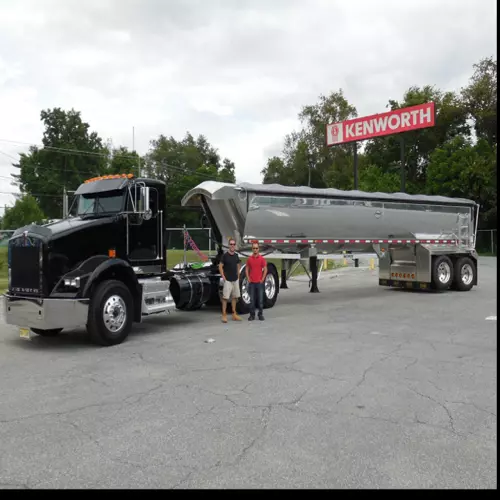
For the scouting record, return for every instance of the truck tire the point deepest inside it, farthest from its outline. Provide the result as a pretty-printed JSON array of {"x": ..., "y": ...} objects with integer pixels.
[
  {"x": 243, "y": 305},
  {"x": 47, "y": 333},
  {"x": 271, "y": 284},
  {"x": 464, "y": 274},
  {"x": 442, "y": 272},
  {"x": 110, "y": 313}
]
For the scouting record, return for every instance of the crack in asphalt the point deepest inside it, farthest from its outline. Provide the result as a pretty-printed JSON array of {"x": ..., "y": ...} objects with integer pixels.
[
  {"x": 140, "y": 395},
  {"x": 442, "y": 405},
  {"x": 474, "y": 405},
  {"x": 363, "y": 376}
]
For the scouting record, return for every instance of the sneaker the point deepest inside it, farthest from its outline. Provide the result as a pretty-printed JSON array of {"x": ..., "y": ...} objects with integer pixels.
[
  {"x": 224, "y": 318},
  {"x": 251, "y": 318},
  {"x": 261, "y": 317},
  {"x": 236, "y": 317}
]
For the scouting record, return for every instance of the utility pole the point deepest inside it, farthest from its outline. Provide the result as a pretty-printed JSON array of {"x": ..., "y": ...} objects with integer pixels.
[{"x": 133, "y": 149}]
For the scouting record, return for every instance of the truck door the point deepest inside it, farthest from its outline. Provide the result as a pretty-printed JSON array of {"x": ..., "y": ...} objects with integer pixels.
[{"x": 143, "y": 233}]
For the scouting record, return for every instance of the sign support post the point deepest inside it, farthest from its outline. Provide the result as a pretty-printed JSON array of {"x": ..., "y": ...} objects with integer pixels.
[
  {"x": 402, "y": 158},
  {"x": 355, "y": 144}
]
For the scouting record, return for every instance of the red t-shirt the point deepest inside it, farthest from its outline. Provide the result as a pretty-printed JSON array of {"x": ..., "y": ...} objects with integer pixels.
[{"x": 255, "y": 267}]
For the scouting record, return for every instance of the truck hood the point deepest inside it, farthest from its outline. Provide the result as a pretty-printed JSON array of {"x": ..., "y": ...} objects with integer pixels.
[{"x": 62, "y": 228}]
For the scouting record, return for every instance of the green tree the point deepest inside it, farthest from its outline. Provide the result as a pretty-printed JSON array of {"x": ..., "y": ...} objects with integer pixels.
[
  {"x": 462, "y": 169},
  {"x": 480, "y": 99},
  {"x": 70, "y": 154},
  {"x": 451, "y": 120},
  {"x": 306, "y": 160},
  {"x": 123, "y": 161},
  {"x": 182, "y": 165},
  {"x": 25, "y": 211}
]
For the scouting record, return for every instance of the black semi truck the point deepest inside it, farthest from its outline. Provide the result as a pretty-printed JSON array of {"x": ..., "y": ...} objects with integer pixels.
[{"x": 105, "y": 267}]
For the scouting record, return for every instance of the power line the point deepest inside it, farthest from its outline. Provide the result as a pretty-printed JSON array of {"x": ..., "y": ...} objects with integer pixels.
[
  {"x": 103, "y": 155},
  {"x": 175, "y": 168}
]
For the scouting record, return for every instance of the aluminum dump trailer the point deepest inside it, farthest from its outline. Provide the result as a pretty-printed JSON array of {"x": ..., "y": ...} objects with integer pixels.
[{"x": 421, "y": 241}]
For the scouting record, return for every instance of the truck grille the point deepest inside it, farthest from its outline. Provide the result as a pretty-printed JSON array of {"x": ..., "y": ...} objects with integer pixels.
[{"x": 24, "y": 262}]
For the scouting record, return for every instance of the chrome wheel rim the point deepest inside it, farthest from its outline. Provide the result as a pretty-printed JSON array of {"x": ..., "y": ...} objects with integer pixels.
[
  {"x": 270, "y": 286},
  {"x": 467, "y": 274},
  {"x": 245, "y": 294},
  {"x": 444, "y": 272},
  {"x": 114, "y": 313}
]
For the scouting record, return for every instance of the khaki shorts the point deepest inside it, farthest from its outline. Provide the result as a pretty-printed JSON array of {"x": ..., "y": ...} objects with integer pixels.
[{"x": 231, "y": 288}]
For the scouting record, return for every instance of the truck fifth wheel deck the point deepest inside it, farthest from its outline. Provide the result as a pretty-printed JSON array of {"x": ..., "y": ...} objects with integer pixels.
[{"x": 105, "y": 266}]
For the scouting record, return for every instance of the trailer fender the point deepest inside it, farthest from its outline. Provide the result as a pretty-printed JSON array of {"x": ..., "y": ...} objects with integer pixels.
[{"x": 116, "y": 269}]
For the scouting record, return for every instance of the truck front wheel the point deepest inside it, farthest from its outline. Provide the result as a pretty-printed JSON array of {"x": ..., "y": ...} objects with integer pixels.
[{"x": 110, "y": 313}]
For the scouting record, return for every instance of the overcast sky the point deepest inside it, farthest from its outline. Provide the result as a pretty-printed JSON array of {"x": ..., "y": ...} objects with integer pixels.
[{"x": 237, "y": 71}]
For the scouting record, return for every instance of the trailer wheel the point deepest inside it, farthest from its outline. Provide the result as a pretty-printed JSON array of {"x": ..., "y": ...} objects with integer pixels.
[
  {"x": 53, "y": 332},
  {"x": 442, "y": 272},
  {"x": 271, "y": 287},
  {"x": 110, "y": 313},
  {"x": 465, "y": 274}
]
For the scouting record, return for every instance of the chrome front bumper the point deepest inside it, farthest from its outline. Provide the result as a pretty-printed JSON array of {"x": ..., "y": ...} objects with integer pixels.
[{"x": 45, "y": 313}]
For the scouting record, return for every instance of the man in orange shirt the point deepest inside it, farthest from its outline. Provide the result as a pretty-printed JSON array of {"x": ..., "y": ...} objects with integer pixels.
[{"x": 256, "y": 271}]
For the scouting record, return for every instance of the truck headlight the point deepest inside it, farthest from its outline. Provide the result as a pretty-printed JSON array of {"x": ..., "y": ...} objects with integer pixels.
[
  {"x": 72, "y": 282},
  {"x": 10, "y": 273}
]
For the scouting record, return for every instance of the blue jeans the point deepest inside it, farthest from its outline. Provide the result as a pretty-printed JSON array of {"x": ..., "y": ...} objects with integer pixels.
[{"x": 256, "y": 292}]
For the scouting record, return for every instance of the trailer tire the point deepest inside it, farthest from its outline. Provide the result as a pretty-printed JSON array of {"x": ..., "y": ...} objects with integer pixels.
[
  {"x": 110, "y": 313},
  {"x": 442, "y": 272},
  {"x": 464, "y": 274},
  {"x": 271, "y": 289},
  {"x": 53, "y": 332}
]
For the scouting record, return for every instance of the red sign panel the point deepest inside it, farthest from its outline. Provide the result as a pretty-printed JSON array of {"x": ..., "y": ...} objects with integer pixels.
[{"x": 393, "y": 122}]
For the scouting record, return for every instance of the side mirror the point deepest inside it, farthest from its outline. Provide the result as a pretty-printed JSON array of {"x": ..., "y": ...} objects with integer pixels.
[{"x": 145, "y": 196}]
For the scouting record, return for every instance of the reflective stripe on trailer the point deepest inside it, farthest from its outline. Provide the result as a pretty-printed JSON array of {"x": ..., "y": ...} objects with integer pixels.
[{"x": 411, "y": 242}]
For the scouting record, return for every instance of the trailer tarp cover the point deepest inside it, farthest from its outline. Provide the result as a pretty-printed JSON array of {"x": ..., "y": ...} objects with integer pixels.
[{"x": 278, "y": 189}]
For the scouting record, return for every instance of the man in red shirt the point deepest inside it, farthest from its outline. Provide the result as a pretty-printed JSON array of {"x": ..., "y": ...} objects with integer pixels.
[{"x": 256, "y": 271}]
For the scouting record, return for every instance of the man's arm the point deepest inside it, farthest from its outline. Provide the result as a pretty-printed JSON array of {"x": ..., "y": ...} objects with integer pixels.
[
  {"x": 221, "y": 268},
  {"x": 247, "y": 270},
  {"x": 264, "y": 270}
]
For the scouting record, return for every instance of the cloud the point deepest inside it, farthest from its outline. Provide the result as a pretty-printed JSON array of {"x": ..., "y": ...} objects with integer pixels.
[{"x": 235, "y": 71}]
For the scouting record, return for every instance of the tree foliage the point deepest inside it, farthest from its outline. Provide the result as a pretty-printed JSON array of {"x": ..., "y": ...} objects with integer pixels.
[
  {"x": 480, "y": 99},
  {"x": 46, "y": 171},
  {"x": 25, "y": 211},
  {"x": 182, "y": 165},
  {"x": 456, "y": 157},
  {"x": 306, "y": 159}
]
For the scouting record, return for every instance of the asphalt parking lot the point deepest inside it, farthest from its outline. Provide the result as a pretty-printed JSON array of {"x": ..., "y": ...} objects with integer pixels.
[{"x": 359, "y": 386}]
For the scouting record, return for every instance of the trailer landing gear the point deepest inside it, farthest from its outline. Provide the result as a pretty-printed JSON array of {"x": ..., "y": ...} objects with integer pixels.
[
  {"x": 284, "y": 269},
  {"x": 313, "y": 266}
]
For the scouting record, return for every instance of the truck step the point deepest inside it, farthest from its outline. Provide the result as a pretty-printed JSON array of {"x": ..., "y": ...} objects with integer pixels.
[{"x": 156, "y": 296}]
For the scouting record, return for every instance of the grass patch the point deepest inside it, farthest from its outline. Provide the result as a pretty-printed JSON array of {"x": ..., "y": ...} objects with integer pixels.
[{"x": 174, "y": 257}]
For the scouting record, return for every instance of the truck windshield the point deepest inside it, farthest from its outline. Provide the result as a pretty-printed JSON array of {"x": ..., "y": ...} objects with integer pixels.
[{"x": 100, "y": 203}]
